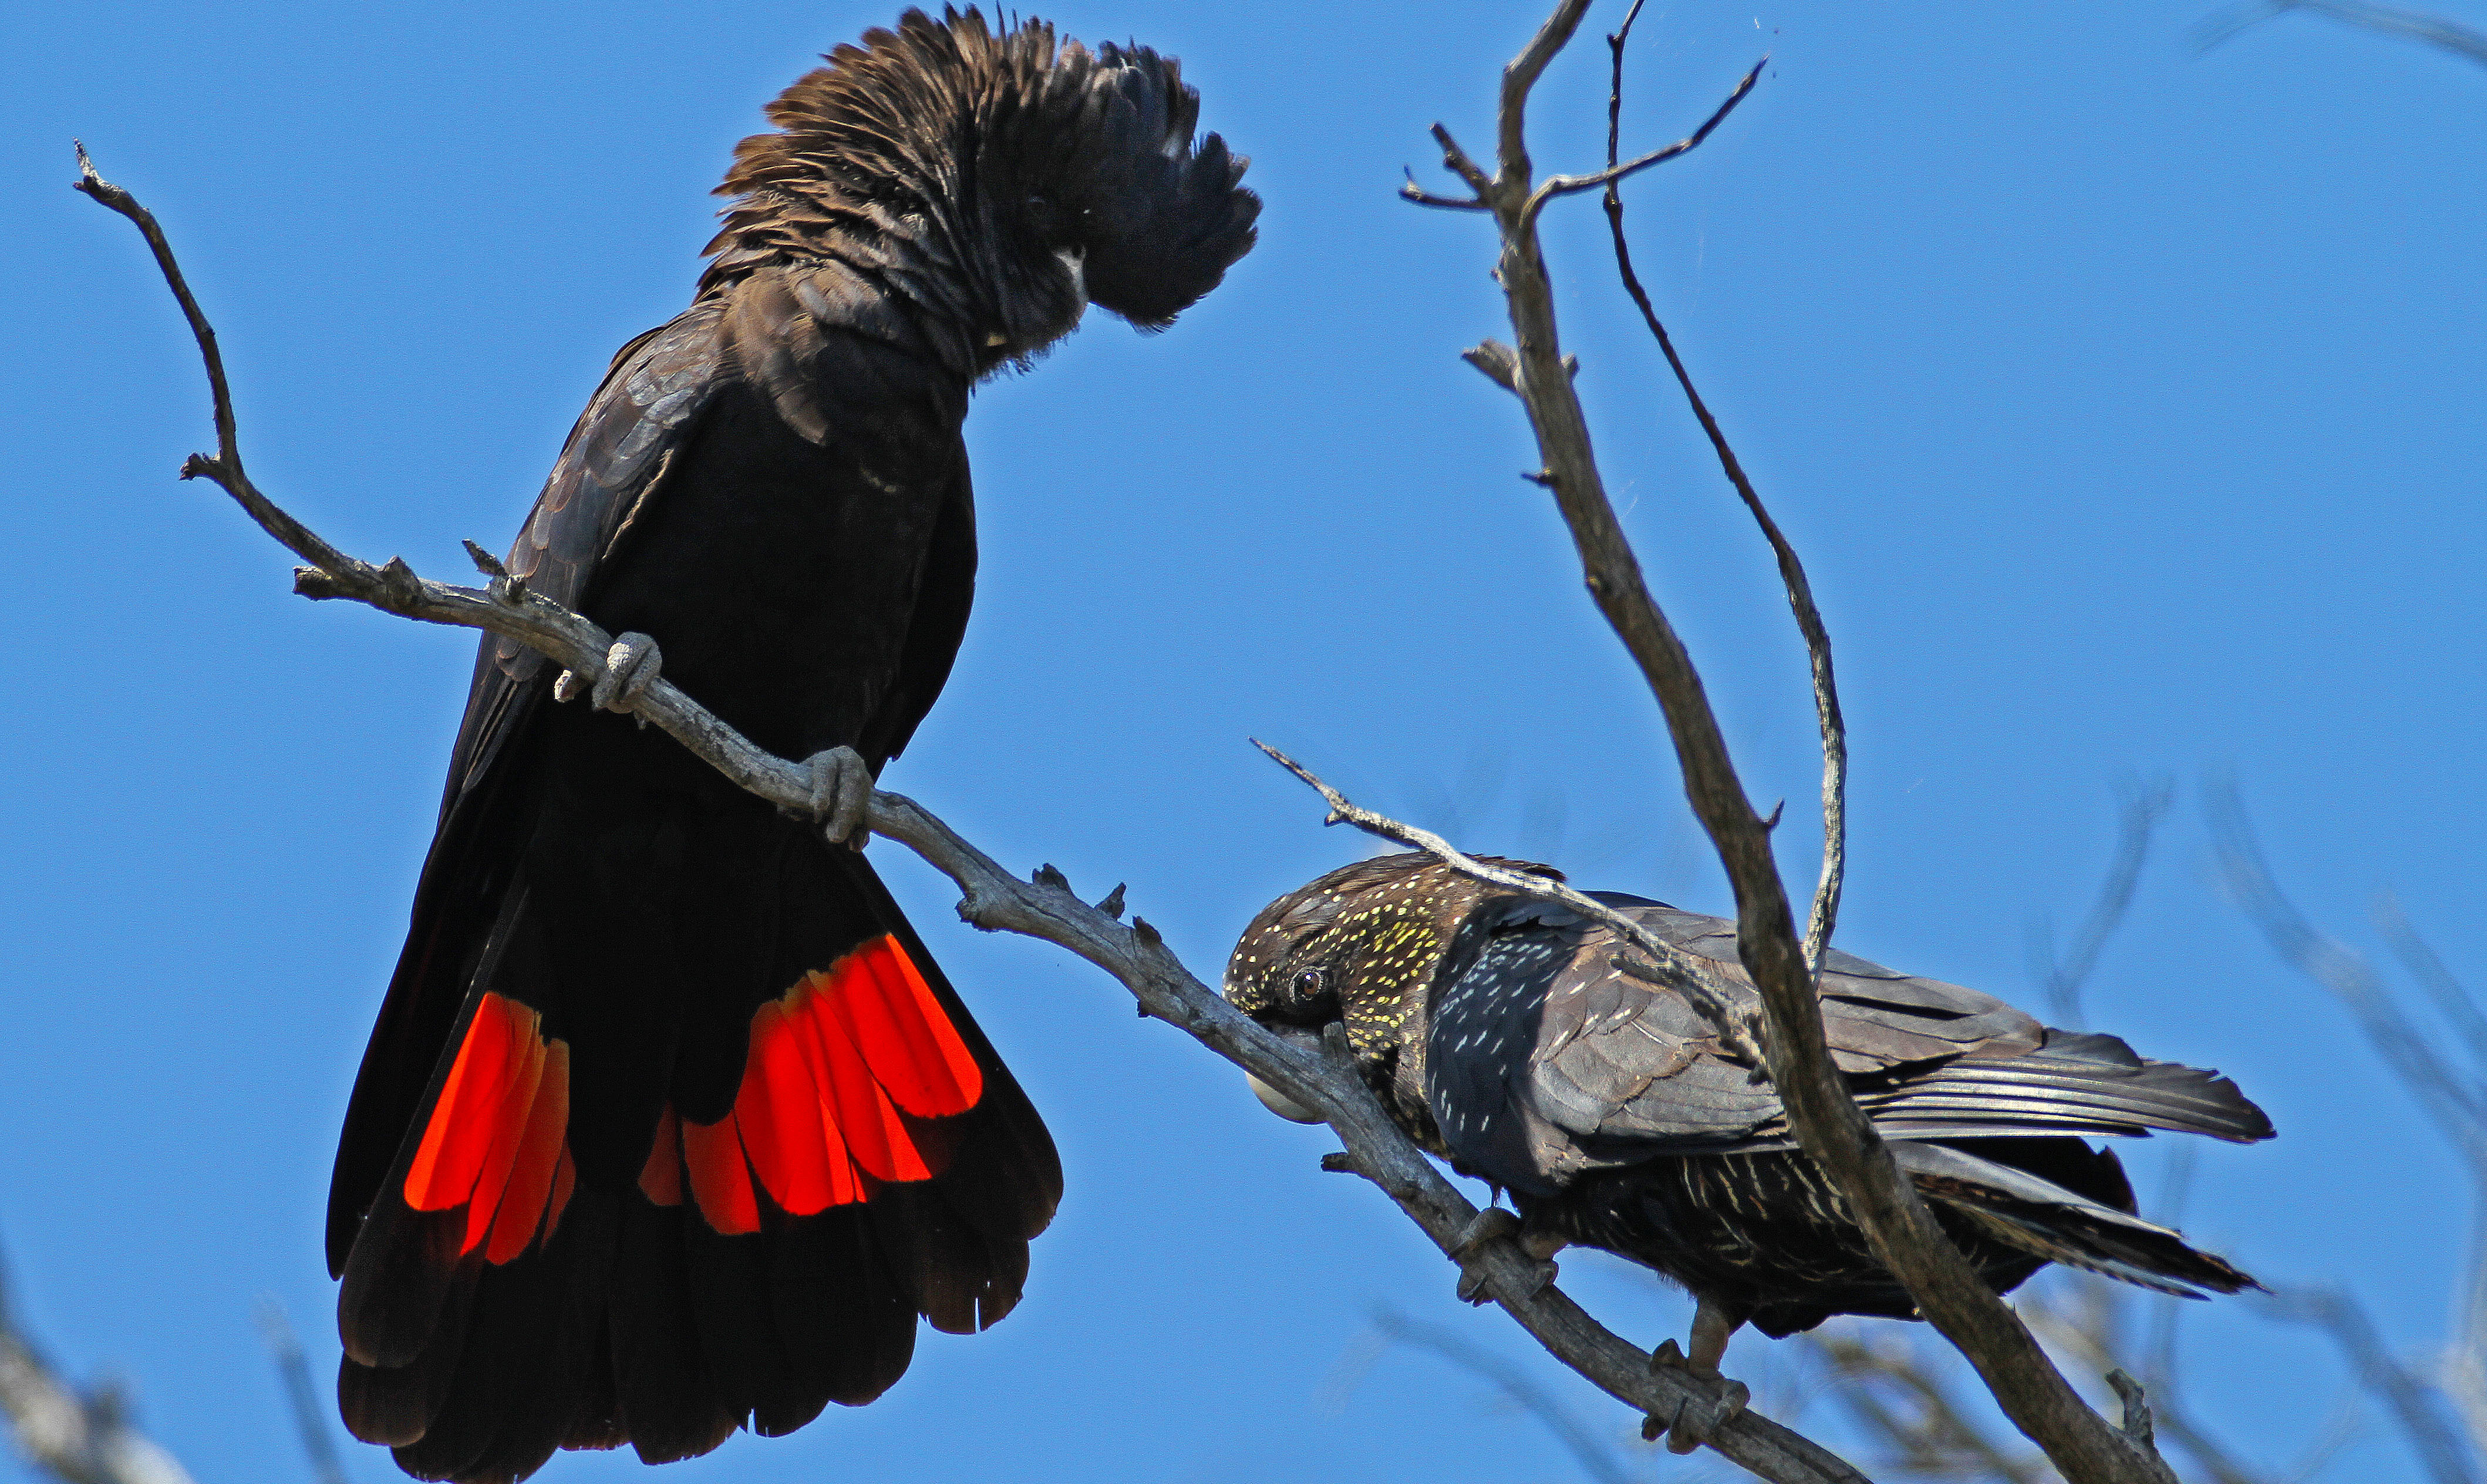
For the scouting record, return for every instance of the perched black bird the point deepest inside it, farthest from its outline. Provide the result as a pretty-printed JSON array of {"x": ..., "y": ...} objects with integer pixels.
[
  {"x": 670, "y": 1123},
  {"x": 1502, "y": 1035}
]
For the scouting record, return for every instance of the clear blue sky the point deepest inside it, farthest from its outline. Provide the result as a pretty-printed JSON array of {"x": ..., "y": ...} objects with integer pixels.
[{"x": 2124, "y": 403}]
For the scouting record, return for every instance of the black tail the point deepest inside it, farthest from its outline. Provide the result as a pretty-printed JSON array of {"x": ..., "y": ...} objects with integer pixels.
[{"x": 829, "y": 1148}]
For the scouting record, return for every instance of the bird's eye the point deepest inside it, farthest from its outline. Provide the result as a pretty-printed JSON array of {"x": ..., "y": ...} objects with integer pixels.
[{"x": 1308, "y": 983}]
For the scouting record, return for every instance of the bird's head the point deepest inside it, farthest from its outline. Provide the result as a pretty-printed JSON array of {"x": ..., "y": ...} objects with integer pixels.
[
  {"x": 1362, "y": 946},
  {"x": 999, "y": 181}
]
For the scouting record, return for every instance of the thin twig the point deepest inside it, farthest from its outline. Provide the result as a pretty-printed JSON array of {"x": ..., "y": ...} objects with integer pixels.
[
  {"x": 293, "y": 1370},
  {"x": 1614, "y": 175},
  {"x": 993, "y": 899},
  {"x": 1829, "y": 1126},
  {"x": 1824, "y": 917},
  {"x": 2334, "y": 1312},
  {"x": 1595, "y": 1457},
  {"x": 2418, "y": 25},
  {"x": 2427, "y": 967},
  {"x": 2456, "y": 1103},
  {"x": 1688, "y": 972},
  {"x": 2064, "y": 978}
]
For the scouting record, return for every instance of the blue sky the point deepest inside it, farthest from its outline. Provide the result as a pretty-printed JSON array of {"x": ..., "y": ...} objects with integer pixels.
[{"x": 2121, "y": 400}]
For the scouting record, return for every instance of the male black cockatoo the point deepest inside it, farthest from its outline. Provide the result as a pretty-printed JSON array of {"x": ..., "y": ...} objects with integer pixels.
[
  {"x": 670, "y": 1123},
  {"x": 1502, "y": 1035}
]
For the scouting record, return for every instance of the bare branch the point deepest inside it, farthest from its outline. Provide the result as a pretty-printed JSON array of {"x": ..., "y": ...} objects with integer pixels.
[
  {"x": 1045, "y": 908},
  {"x": 2142, "y": 811},
  {"x": 2418, "y": 25},
  {"x": 1824, "y": 917},
  {"x": 1827, "y": 1122},
  {"x": 77, "y": 1439},
  {"x": 2425, "y": 967},
  {"x": 2457, "y": 1103},
  {"x": 293, "y": 1370},
  {"x": 1685, "y": 972},
  {"x": 1940, "y": 1438},
  {"x": 1596, "y": 1458},
  {"x": 2340, "y": 1316},
  {"x": 1614, "y": 174}
]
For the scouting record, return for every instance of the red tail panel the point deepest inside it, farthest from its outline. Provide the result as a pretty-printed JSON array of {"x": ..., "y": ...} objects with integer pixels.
[
  {"x": 661, "y": 1180},
  {"x": 818, "y": 1118},
  {"x": 720, "y": 1178},
  {"x": 496, "y": 1142},
  {"x": 892, "y": 1014},
  {"x": 540, "y": 1154}
]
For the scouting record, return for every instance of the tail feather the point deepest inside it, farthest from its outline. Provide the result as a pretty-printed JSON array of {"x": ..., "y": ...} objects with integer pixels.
[
  {"x": 2044, "y": 1219},
  {"x": 2075, "y": 1084},
  {"x": 868, "y": 1162}
]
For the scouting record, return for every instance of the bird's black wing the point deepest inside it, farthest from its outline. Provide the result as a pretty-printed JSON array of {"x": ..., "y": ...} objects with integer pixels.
[
  {"x": 1544, "y": 1059},
  {"x": 613, "y": 464}
]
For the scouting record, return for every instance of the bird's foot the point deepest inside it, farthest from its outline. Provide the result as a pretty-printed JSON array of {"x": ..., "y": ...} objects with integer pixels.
[
  {"x": 630, "y": 666},
  {"x": 1696, "y": 1421},
  {"x": 1495, "y": 1224},
  {"x": 841, "y": 790}
]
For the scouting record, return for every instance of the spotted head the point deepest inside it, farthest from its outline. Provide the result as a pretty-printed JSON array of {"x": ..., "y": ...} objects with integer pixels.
[
  {"x": 1001, "y": 180},
  {"x": 1361, "y": 945}
]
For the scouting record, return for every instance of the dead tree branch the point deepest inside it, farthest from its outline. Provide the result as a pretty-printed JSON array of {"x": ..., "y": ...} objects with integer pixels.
[
  {"x": 76, "y": 1439},
  {"x": 1042, "y": 908},
  {"x": 1827, "y": 1124}
]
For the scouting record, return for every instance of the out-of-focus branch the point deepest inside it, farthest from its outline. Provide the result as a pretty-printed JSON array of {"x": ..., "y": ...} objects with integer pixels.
[
  {"x": 293, "y": 1370},
  {"x": 77, "y": 1439},
  {"x": 1310, "y": 1074},
  {"x": 2340, "y": 1316},
  {"x": 1827, "y": 1122},
  {"x": 2455, "y": 1099},
  {"x": 1597, "y": 1457},
  {"x": 1937, "y": 1439},
  {"x": 2418, "y": 25},
  {"x": 2064, "y": 977},
  {"x": 2425, "y": 967},
  {"x": 2458, "y": 1104},
  {"x": 1824, "y": 917}
]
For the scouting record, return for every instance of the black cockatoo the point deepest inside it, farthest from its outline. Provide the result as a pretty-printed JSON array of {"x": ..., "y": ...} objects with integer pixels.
[
  {"x": 670, "y": 1123},
  {"x": 1503, "y": 1036}
]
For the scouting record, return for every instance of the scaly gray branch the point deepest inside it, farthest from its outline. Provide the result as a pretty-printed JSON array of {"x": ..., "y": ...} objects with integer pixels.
[
  {"x": 1827, "y": 1124},
  {"x": 1044, "y": 908},
  {"x": 77, "y": 1439}
]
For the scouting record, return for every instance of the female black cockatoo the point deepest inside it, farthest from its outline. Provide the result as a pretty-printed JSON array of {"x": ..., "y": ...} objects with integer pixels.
[{"x": 1505, "y": 1035}]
